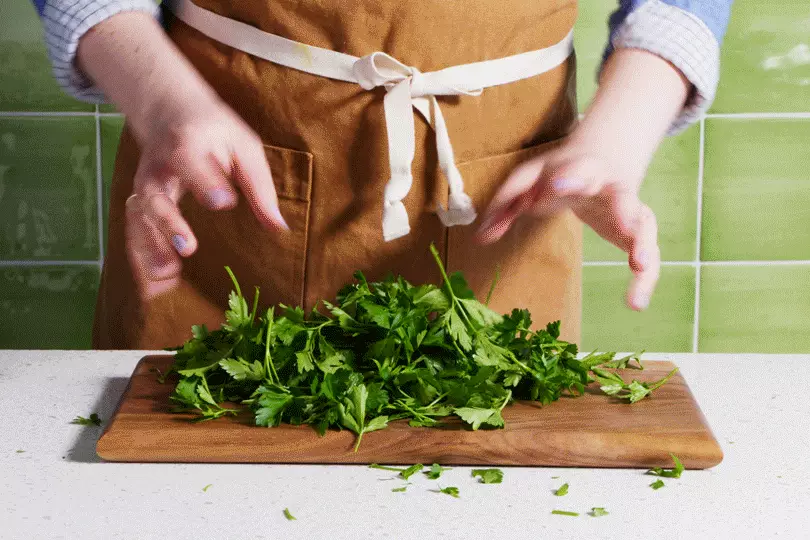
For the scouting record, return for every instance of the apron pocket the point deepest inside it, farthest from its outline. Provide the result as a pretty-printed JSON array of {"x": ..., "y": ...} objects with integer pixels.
[
  {"x": 272, "y": 260},
  {"x": 538, "y": 259}
]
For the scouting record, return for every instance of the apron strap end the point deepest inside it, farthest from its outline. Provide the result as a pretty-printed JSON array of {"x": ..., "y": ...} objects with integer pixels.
[{"x": 395, "y": 221}]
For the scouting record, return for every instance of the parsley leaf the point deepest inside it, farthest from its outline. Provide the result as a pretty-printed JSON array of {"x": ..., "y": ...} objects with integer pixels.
[
  {"x": 658, "y": 484},
  {"x": 564, "y": 513},
  {"x": 288, "y": 515},
  {"x": 400, "y": 489},
  {"x": 94, "y": 420},
  {"x": 562, "y": 490},
  {"x": 206, "y": 487},
  {"x": 598, "y": 512},
  {"x": 450, "y": 490},
  {"x": 488, "y": 476},
  {"x": 435, "y": 471},
  {"x": 410, "y": 471},
  {"x": 669, "y": 473}
]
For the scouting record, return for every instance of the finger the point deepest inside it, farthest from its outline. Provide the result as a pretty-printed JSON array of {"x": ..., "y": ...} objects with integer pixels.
[
  {"x": 252, "y": 173},
  {"x": 514, "y": 197},
  {"x": 163, "y": 212},
  {"x": 644, "y": 259},
  {"x": 584, "y": 177},
  {"x": 202, "y": 172},
  {"x": 155, "y": 265}
]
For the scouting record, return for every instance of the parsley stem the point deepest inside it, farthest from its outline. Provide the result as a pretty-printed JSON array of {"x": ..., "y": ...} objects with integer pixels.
[
  {"x": 492, "y": 285},
  {"x": 269, "y": 368}
]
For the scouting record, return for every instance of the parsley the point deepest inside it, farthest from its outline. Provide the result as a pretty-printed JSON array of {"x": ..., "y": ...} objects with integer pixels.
[
  {"x": 206, "y": 487},
  {"x": 94, "y": 420},
  {"x": 669, "y": 473},
  {"x": 435, "y": 471},
  {"x": 410, "y": 471},
  {"x": 400, "y": 489},
  {"x": 658, "y": 484},
  {"x": 384, "y": 467},
  {"x": 488, "y": 476},
  {"x": 450, "y": 490},
  {"x": 598, "y": 512},
  {"x": 564, "y": 513},
  {"x": 20, "y": 451},
  {"x": 288, "y": 515},
  {"x": 381, "y": 352},
  {"x": 562, "y": 490}
]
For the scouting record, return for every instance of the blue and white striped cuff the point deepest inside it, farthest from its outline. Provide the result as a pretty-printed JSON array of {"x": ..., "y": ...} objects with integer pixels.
[
  {"x": 65, "y": 23},
  {"x": 685, "y": 41}
]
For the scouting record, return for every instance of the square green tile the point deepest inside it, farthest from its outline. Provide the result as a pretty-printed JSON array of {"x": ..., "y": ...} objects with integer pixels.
[
  {"x": 111, "y": 127},
  {"x": 765, "y": 58},
  {"x": 590, "y": 39},
  {"x": 670, "y": 189},
  {"x": 47, "y": 307},
  {"x": 756, "y": 190},
  {"x": 48, "y": 189},
  {"x": 666, "y": 326},
  {"x": 26, "y": 79},
  {"x": 754, "y": 309}
]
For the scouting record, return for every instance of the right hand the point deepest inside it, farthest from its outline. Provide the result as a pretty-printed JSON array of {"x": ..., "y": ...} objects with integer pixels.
[{"x": 203, "y": 149}]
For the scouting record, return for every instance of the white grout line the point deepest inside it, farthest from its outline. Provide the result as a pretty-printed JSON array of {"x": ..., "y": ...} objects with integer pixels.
[
  {"x": 100, "y": 191},
  {"x": 699, "y": 232},
  {"x": 12, "y": 114},
  {"x": 761, "y": 116},
  {"x": 34, "y": 264}
]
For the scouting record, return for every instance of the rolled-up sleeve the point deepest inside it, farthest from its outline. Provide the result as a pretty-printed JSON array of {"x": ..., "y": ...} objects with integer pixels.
[
  {"x": 65, "y": 22},
  {"x": 686, "y": 33}
]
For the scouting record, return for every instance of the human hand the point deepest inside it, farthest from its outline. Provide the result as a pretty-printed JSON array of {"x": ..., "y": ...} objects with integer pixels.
[
  {"x": 203, "y": 149},
  {"x": 602, "y": 192}
]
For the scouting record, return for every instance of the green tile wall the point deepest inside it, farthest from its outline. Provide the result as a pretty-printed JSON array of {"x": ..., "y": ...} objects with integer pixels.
[{"x": 732, "y": 196}]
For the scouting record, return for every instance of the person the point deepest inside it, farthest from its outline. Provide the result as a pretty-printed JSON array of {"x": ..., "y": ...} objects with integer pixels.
[{"x": 298, "y": 141}]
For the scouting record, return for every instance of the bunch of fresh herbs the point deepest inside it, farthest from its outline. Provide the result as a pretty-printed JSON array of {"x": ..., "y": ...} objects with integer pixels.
[{"x": 385, "y": 351}]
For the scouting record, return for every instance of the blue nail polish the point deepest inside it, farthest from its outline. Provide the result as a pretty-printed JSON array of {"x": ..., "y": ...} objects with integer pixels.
[
  {"x": 643, "y": 257},
  {"x": 179, "y": 243},
  {"x": 564, "y": 184},
  {"x": 218, "y": 198}
]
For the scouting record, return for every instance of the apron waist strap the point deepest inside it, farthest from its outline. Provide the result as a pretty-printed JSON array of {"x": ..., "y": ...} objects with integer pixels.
[{"x": 406, "y": 89}]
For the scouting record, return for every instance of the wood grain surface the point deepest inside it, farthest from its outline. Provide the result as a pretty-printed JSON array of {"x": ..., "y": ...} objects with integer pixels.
[{"x": 594, "y": 430}]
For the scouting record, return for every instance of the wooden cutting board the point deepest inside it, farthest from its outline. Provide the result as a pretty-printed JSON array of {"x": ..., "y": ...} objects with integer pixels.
[{"x": 594, "y": 430}]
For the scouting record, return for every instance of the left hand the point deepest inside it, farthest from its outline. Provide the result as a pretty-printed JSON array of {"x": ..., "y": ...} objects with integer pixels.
[{"x": 602, "y": 192}]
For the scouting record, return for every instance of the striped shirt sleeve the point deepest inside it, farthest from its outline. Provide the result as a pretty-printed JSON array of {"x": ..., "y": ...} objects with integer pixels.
[
  {"x": 687, "y": 33},
  {"x": 65, "y": 22}
]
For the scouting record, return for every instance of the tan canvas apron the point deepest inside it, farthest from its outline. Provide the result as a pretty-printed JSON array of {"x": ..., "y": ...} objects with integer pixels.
[{"x": 326, "y": 147}]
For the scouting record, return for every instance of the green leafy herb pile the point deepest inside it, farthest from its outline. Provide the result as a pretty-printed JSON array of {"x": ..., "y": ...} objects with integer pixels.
[{"x": 385, "y": 351}]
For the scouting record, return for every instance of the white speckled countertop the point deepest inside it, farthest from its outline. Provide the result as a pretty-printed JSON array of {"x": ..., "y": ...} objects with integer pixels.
[{"x": 56, "y": 487}]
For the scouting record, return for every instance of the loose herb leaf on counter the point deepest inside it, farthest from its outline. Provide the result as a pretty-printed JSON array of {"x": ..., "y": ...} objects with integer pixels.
[
  {"x": 450, "y": 490},
  {"x": 564, "y": 513},
  {"x": 562, "y": 490},
  {"x": 669, "y": 473},
  {"x": 435, "y": 471},
  {"x": 381, "y": 352},
  {"x": 206, "y": 488},
  {"x": 410, "y": 471},
  {"x": 400, "y": 489},
  {"x": 598, "y": 512},
  {"x": 489, "y": 476},
  {"x": 94, "y": 420},
  {"x": 658, "y": 484},
  {"x": 288, "y": 515}
]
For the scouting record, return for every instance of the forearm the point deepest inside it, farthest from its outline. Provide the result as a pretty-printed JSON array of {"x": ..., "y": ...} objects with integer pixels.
[
  {"x": 639, "y": 96},
  {"x": 139, "y": 69}
]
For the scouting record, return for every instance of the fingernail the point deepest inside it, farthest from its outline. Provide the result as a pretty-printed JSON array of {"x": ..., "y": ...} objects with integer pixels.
[
  {"x": 179, "y": 243},
  {"x": 641, "y": 300},
  {"x": 276, "y": 213},
  {"x": 567, "y": 184},
  {"x": 219, "y": 198}
]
